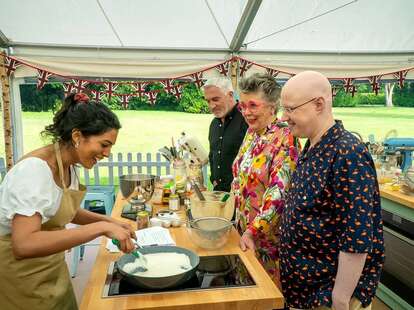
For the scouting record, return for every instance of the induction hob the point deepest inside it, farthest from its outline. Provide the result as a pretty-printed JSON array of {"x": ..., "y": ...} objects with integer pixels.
[{"x": 213, "y": 272}]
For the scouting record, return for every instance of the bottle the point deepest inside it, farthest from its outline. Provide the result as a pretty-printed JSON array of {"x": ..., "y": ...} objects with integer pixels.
[
  {"x": 180, "y": 175},
  {"x": 174, "y": 201}
]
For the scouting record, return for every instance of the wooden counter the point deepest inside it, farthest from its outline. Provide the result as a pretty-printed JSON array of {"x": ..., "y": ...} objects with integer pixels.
[
  {"x": 265, "y": 295},
  {"x": 397, "y": 196}
]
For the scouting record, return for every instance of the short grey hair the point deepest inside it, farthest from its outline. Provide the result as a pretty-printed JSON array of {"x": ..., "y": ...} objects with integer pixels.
[
  {"x": 264, "y": 84},
  {"x": 223, "y": 83}
]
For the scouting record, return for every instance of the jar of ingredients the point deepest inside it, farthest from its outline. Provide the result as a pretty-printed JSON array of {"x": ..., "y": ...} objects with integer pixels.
[
  {"x": 195, "y": 173},
  {"x": 174, "y": 202},
  {"x": 142, "y": 219},
  {"x": 180, "y": 174}
]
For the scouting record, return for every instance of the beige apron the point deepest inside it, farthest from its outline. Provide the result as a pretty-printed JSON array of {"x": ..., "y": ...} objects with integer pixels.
[{"x": 41, "y": 283}]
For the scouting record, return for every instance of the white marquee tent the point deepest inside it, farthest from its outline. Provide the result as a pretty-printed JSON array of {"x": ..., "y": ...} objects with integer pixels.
[{"x": 133, "y": 39}]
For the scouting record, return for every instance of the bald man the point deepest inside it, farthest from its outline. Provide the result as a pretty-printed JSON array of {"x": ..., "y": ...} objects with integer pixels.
[{"x": 332, "y": 250}]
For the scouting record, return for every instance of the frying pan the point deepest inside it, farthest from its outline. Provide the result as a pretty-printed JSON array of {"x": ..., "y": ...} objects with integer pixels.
[
  {"x": 157, "y": 283},
  {"x": 214, "y": 268}
]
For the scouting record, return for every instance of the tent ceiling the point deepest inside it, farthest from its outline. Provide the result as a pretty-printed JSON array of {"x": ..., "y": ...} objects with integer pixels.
[{"x": 328, "y": 25}]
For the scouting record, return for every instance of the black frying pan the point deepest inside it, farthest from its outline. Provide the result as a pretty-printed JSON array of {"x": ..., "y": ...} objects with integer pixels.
[{"x": 159, "y": 282}]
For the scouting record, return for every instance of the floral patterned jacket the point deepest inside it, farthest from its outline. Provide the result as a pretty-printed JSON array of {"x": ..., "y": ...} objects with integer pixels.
[{"x": 262, "y": 171}]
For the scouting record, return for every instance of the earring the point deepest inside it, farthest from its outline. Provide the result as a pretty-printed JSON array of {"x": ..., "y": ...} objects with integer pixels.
[{"x": 77, "y": 144}]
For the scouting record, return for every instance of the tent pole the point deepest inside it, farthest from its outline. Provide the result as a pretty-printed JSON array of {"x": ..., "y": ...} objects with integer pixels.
[{"x": 8, "y": 132}]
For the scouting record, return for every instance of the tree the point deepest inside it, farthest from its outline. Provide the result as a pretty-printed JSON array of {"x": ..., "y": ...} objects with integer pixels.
[{"x": 389, "y": 88}]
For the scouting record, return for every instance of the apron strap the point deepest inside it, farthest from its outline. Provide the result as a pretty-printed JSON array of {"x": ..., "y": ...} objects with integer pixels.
[{"x": 60, "y": 165}]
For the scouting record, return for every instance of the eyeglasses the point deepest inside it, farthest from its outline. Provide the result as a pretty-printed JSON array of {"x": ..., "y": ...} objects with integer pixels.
[
  {"x": 290, "y": 110},
  {"x": 251, "y": 105}
]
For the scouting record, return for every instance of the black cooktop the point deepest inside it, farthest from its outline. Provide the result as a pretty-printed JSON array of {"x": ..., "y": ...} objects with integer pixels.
[{"x": 213, "y": 272}]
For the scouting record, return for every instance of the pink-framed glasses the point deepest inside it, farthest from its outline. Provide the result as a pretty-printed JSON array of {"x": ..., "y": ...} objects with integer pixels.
[{"x": 251, "y": 105}]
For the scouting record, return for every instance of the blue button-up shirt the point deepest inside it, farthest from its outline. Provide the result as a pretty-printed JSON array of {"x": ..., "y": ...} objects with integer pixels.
[{"x": 333, "y": 205}]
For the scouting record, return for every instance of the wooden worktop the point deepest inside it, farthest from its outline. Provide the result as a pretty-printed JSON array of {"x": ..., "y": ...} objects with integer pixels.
[
  {"x": 397, "y": 196},
  {"x": 265, "y": 295}
]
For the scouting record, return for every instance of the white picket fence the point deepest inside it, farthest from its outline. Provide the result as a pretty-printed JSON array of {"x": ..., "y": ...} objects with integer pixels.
[{"x": 108, "y": 171}]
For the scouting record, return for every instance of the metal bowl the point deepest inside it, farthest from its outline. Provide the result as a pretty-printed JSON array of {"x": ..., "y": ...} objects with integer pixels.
[
  {"x": 137, "y": 188},
  {"x": 409, "y": 179},
  {"x": 209, "y": 232}
]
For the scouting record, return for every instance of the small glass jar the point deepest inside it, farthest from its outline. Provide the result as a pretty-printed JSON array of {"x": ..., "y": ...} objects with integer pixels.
[
  {"x": 142, "y": 219},
  {"x": 195, "y": 173},
  {"x": 174, "y": 202},
  {"x": 180, "y": 174}
]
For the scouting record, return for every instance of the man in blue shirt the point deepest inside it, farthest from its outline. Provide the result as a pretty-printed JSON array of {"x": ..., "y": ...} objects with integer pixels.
[{"x": 332, "y": 249}]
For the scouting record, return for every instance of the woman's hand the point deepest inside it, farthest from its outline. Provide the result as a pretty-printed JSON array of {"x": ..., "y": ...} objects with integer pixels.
[
  {"x": 126, "y": 226},
  {"x": 123, "y": 235},
  {"x": 246, "y": 241}
]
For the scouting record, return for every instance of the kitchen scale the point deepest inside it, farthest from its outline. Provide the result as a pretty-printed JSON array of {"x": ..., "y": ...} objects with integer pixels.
[
  {"x": 137, "y": 189},
  {"x": 213, "y": 272},
  {"x": 130, "y": 211}
]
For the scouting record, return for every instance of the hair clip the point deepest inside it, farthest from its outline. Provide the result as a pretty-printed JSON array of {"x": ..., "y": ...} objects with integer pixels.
[{"x": 81, "y": 97}]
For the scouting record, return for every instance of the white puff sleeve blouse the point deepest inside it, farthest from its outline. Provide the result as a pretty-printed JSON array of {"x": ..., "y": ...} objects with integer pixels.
[{"x": 29, "y": 188}]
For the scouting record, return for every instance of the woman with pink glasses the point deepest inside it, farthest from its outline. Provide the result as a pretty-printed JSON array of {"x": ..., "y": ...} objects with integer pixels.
[{"x": 262, "y": 170}]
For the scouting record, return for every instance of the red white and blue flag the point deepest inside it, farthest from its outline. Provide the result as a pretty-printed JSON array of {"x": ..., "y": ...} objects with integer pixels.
[
  {"x": 168, "y": 85},
  {"x": 96, "y": 95},
  {"x": 11, "y": 65},
  {"x": 79, "y": 85},
  {"x": 68, "y": 89},
  {"x": 124, "y": 100},
  {"x": 198, "y": 79},
  {"x": 139, "y": 87},
  {"x": 374, "y": 81},
  {"x": 272, "y": 72},
  {"x": 244, "y": 65},
  {"x": 177, "y": 91},
  {"x": 42, "y": 78},
  {"x": 223, "y": 68},
  {"x": 151, "y": 96},
  {"x": 110, "y": 88},
  {"x": 401, "y": 77}
]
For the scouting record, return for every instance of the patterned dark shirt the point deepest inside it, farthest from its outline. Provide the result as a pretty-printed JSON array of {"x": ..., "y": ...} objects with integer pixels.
[
  {"x": 333, "y": 205},
  {"x": 225, "y": 140}
]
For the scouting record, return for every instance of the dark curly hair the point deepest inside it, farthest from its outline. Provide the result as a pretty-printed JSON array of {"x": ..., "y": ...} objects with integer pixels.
[{"x": 77, "y": 112}]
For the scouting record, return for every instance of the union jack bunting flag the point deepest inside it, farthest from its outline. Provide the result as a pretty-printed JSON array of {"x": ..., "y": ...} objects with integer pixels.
[
  {"x": 223, "y": 68},
  {"x": 272, "y": 72},
  {"x": 110, "y": 88},
  {"x": 374, "y": 81},
  {"x": 348, "y": 84},
  {"x": 96, "y": 95},
  {"x": 198, "y": 79},
  {"x": 124, "y": 100},
  {"x": 42, "y": 78},
  {"x": 68, "y": 88},
  {"x": 79, "y": 85},
  {"x": 151, "y": 96},
  {"x": 11, "y": 65},
  {"x": 353, "y": 90},
  {"x": 168, "y": 85},
  {"x": 177, "y": 91},
  {"x": 401, "y": 77},
  {"x": 244, "y": 65},
  {"x": 139, "y": 87}
]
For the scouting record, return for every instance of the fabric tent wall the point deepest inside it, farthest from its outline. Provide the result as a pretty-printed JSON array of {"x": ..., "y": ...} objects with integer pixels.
[
  {"x": 115, "y": 63},
  {"x": 159, "y": 64}
]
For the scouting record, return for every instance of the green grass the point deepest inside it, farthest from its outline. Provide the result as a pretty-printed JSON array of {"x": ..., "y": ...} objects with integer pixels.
[{"x": 147, "y": 131}]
